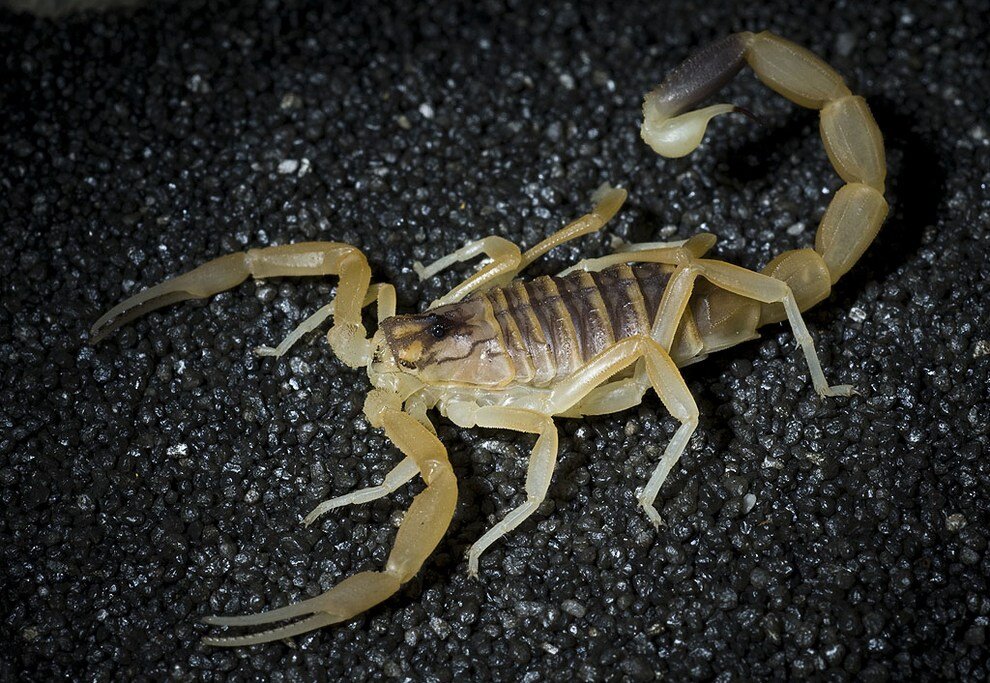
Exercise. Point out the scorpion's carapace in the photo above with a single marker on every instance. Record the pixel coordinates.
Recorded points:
(501, 352)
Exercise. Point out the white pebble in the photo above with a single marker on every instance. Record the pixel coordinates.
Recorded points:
(290, 101)
(955, 521)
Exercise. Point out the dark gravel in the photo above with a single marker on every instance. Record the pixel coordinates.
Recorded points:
(162, 476)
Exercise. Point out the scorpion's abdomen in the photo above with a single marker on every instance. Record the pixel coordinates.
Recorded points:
(552, 326)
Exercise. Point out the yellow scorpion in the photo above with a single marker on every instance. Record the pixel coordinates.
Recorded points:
(497, 351)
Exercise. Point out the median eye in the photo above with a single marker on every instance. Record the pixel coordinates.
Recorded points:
(439, 330)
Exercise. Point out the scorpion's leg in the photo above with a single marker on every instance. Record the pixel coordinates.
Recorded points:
(384, 294)
(699, 248)
(397, 477)
(662, 374)
(608, 200)
(624, 247)
(625, 393)
(420, 532)
(770, 290)
(322, 314)
(682, 253)
(541, 465)
(667, 381)
(610, 397)
(346, 337)
(505, 257)
(506, 260)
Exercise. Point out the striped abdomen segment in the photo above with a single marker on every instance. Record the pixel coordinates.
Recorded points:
(553, 325)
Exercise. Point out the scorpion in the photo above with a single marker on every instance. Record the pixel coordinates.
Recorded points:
(501, 352)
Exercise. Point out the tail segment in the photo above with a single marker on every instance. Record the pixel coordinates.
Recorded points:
(851, 136)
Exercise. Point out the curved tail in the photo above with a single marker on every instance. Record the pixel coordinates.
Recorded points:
(851, 136)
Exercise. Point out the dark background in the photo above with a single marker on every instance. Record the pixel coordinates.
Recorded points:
(162, 476)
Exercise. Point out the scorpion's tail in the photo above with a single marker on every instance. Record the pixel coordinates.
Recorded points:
(420, 532)
(852, 141)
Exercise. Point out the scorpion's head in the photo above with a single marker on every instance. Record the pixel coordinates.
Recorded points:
(458, 344)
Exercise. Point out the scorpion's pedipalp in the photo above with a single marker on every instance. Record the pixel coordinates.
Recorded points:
(298, 609)
(347, 337)
(129, 310)
(347, 599)
(298, 628)
(425, 523)
(210, 278)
